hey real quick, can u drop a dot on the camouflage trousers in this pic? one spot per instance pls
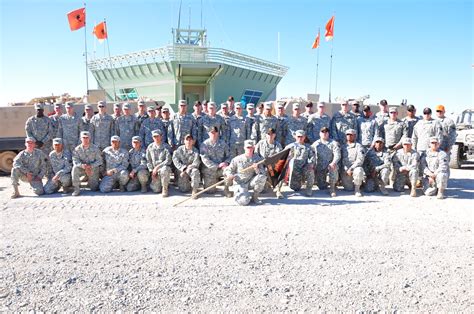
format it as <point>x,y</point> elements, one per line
<point>298,176</point>
<point>52,186</point>
<point>325,176</point>
<point>371,184</point>
<point>36,185</point>
<point>405,178</point>
<point>161,180</point>
<point>140,178</point>
<point>190,180</point>
<point>47,147</point>
<point>108,182</point>
<point>69,146</point>
<point>210,177</point>
<point>92,180</point>
<point>241,191</point>
<point>236,149</point>
<point>357,178</point>
<point>441,182</point>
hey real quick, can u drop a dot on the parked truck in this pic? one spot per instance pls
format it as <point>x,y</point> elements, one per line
<point>463,150</point>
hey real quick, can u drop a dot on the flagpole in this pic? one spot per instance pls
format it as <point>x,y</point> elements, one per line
<point>330,71</point>
<point>110,61</point>
<point>317,66</point>
<point>85,48</point>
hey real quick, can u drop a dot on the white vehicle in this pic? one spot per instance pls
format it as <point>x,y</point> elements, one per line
<point>463,149</point>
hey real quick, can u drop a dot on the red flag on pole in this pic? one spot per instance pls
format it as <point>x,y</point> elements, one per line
<point>330,29</point>
<point>77,19</point>
<point>100,31</point>
<point>316,41</point>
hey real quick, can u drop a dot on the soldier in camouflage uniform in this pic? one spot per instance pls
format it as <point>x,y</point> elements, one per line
<point>86,160</point>
<point>187,161</point>
<point>410,120</point>
<point>308,110</point>
<point>448,130</point>
<point>435,165</point>
<point>316,122</point>
<point>61,166</point>
<point>116,165</point>
<point>328,155</point>
<point>250,179</point>
<point>197,116</point>
<point>182,124</point>
<point>377,166</point>
<point>212,120</point>
<point>382,116</point>
<point>282,122</point>
<point>301,165</point>
<point>237,132</point>
<point>69,128</point>
<point>141,114</point>
<point>117,112</point>
<point>366,128</point>
<point>150,124</point>
<point>268,147</point>
<point>215,157</point>
<point>39,127</point>
<point>342,121</point>
<point>168,134</point>
<point>139,174</point>
<point>265,122</point>
<point>126,126</point>
<point>295,122</point>
<point>250,119</point>
<point>392,131</point>
<point>406,163</point>
<point>85,124</point>
<point>29,166</point>
<point>158,161</point>
<point>356,108</point>
<point>224,113</point>
<point>102,127</point>
<point>58,111</point>
<point>353,156</point>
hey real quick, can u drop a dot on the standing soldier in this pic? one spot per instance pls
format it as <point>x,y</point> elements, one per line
<point>58,111</point>
<point>117,112</point>
<point>126,126</point>
<point>342,121</point>
<point>139,174</point>
<point>382,116</point>
<point>168,135</point>
<point>250,119</point>
<point>308,110</point>
<point>282,122</point>
<point>301,166</point>
<point>259,109</point>
<point>230,105</point>
<point>448,130</point>
<point>158,161</point>
<point>148,125</point>
<point>212,120</point>
<point>39,128</point>
<point>197,116</point>
<point>353,155</point>
<point>295,122</point>
<point>102,127</point>
<point>328,155</point>
<point>237,132</point>
<point>435,165</point>
<point>250,179</point>
<point>29,166</point>
<point>316,122</point>
<point>116,165</point>
<point>85,124</point>
<point>86,160</point>
<point>215,158</point>
<point>366,128</point>
<point>355,108</point>
<point>205,110</point>
<point>61,165</point>
<point>265,122</point>
<point>393,130</point>
<point>141,114</point>
<point>405,164</point>
<point>182,124</point>
<point>186,160</point>
<point>410,120</point>
<point>224,113</point>
<point>377,166</point>
<point>69,128</point>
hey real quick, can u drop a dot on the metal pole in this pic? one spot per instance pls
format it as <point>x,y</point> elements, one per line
<point>330,72</point>
<point>278,47</point>
<point>110,61</point>
<point>317,66</point>
<point>85,48</point>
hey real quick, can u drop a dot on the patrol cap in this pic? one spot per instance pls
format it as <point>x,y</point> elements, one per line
<point>183,102</point>
<point>86,107</point>
<point>116,106</point>
<point>379,139</point>
<point>296,105</point>
<point>321,104</point>
<point>238,105</point>
<point>271,131</point>
<point>350,131</point>
<point>250,105</point>
<point>136,139</point>
<point>39,106</point>
<point>427,110</point>
<point>127,106</point>
<point>189,135</point>
<point>268,105</point>
<point>101,104</point>
<point>57,140</point>
<point>165,109</point>
<point>141,103</point>
<point>434,139</point>
<point>280,106</point>
<point>85,134</point>
<point>150,108</point>
<point>249,143</point>
<point>392,109</point>
<point>115,138</point>
<point>300,133</point>
<point>407,140</point>
<point>213,129</point>
<point>439,108</point>
<point>69,104</point>
<point>224,105</point>
<point>156,132</point>
<point>324,129</point>
<point>57,105</point>
<point>30,139</point>
<point>211,104</point>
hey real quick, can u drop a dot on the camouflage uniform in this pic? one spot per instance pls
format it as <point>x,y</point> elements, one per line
<point>69,130</point>
<point>168,135</point>
<point>237,135</point>
<point>102,129</point>
<point>247,180</point>
<point>141,118</point>
<point>315,123</point>
<point>85,124</point>
<point>410,124</point>
<point>89,156</point>
<point>378,163</point>
<point>150,125</point>
<point>448,134</point>
<point>34,163</point>
<point>159,155</point>
<point>118,160</point>
<point>411,162</point>
<point>435,163</point>
<point>249,122</point>
<point>366,128</point>
<point>208,122</point>
<point>264,149</point>
<point>326,153</point>
<point>380,118</point>
<point>261,126</point>
<point>41,130</point>
<point>198,123</point>
<point>61,164</point>
<point>340,123</point>
<point>126,126</point>
<point>189,161</point>
<point>182,125</point>
<point>422,132</point>
<point>54,125</point>
<point>294,124</point>
<point>138,164</point>
<point>392,132</point>
<point>353,156</point>
<point>301,166</point>
<point>211,156</point>
<point>283,123</point>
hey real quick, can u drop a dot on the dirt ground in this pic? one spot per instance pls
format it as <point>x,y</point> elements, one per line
<point>128,251</point>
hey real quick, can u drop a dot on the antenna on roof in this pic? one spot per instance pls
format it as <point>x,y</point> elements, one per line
<point>179,14</point>
<point>189,25</point>
<point>201,14</point>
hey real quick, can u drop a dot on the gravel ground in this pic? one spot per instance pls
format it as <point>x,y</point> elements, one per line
<point>127,251</point>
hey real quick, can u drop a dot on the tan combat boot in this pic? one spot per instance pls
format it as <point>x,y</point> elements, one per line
<point>255,198</point>
<point>77,191</point>
<point>193,194</point>
<point>122,188</point>
<point>144,188</point>
<point>413,190</point>
<point>440,195</point>
<point>332,190</point>
<point>309,192</point>
<point>279,195</point>
<point>15,193</point>
<point>357,191</point>
<point>382,188</point>
<point>165,191</point>
<point>227,193</point>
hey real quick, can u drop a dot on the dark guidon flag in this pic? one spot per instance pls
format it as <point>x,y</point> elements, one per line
<point>276,166</point>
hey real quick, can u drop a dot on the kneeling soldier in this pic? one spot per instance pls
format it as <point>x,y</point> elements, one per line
<point>29,166</point>
<point>86,160</point>
<point>186,160</point>
<point>139,174</point>
<point>328,155</point>
<point>61,166</point>
<point>378,163</point>
<point>158,160</point>
<point>405,164</point>
<point>116,164</point>
<point>251,179</point>
<point>435,165</point>
<point>353,155</point>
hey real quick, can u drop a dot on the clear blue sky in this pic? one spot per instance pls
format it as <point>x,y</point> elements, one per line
<point>393,49</point>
